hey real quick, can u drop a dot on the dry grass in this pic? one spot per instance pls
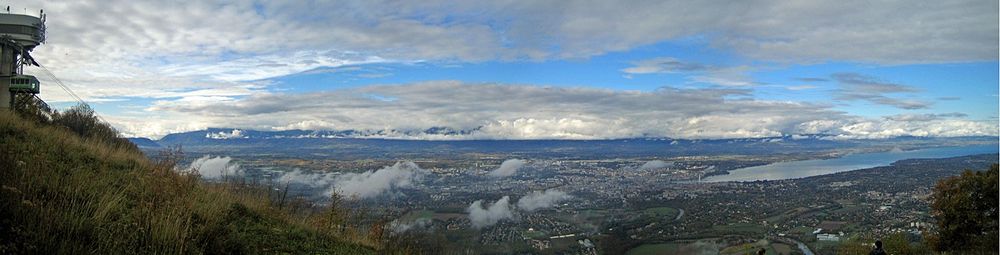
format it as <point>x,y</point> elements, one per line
<point>65,194</point>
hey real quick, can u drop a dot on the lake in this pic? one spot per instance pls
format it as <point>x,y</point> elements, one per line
<point>806,168</point>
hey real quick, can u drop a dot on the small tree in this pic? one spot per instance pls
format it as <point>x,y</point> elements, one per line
<point>335,215</point>
<point>965,208</point>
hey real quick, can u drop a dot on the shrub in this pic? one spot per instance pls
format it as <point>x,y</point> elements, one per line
<point>965,208</point>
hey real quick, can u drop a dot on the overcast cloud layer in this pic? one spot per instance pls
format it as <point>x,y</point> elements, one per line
<point>153,48</point>
<point>207,63</point>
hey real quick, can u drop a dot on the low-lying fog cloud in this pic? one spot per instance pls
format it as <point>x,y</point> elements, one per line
<point>508,167</point>
<point>503,209</point>
<point>538,200</point>
<point>373,183</point>
<point>214,167</point>
<point>487,216</point>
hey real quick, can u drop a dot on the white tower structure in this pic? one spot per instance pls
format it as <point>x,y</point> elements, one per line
<point>19,34</point>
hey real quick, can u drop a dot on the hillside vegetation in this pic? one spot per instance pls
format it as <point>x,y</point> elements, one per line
<point>71,185</point>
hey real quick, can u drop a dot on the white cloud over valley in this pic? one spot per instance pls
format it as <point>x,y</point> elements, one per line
<point>496,111</point>
<point>507,168</point>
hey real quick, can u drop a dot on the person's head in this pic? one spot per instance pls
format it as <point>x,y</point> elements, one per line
<point>761,251</point>
<point>878,244</point>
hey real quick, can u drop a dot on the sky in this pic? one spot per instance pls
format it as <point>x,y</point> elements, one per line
<point>530,69</point>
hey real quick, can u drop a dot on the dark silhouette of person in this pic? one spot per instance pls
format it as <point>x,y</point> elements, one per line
<point>761,251</point>
<point>878,249</point>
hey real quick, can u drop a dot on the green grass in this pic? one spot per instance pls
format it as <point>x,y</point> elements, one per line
<point>654,249</point>
<point>416,215</point>
<point>63,194</point>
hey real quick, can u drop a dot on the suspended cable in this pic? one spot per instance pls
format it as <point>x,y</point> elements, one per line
<point>68,90</point>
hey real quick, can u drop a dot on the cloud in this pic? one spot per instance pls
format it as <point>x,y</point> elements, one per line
<point>310,179</point>
<point>811,79</point>
<point>867,84</point>
<point>539,200</point>
<point>949,98</point>
<point>363,185</point>
<point>236,133</point>
<point>665,65</point>
<point>507,168</point>
<point>146,51</point>
<point>497,30</point>
<point>223,52</point>
<point>215,167</point>
<point>481,216</point>
<point>496,111</point>
<point>926,117</point>
<point>800,87</point>
<point>856,86</point>
<point>862,128</point>
<point>655,164</point>
<point>373,183</point>
<point>733,76</point>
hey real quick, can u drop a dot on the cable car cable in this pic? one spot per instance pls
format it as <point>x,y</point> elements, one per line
<point>69,91</point>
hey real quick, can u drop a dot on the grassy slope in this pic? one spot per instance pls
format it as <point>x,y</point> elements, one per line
<point>64,194</point>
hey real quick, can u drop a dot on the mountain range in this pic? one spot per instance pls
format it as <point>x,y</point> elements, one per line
<point>379,144</point>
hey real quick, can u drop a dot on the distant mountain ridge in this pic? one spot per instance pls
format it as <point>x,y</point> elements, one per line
<point>448,142</point>
<point>434,133</point>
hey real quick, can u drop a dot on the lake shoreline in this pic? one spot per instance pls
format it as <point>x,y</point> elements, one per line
<point>814,167</point>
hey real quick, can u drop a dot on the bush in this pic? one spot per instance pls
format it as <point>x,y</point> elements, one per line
<point>965,208</point>
<point>83,121</point>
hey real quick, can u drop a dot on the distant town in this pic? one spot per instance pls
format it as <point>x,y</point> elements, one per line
<point>632,205</point>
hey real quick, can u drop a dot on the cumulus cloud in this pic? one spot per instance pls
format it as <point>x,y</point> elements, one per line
<point>539,200</point>
<point>507,168</point>
<point>373,183</point>
<point>655,164</point>
<point>210,167</point>
<point>481,216</point>
<point>236,133</point>
<point>495,111</point>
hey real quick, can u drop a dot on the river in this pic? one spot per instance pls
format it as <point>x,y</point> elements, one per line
<point>806,168</point>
